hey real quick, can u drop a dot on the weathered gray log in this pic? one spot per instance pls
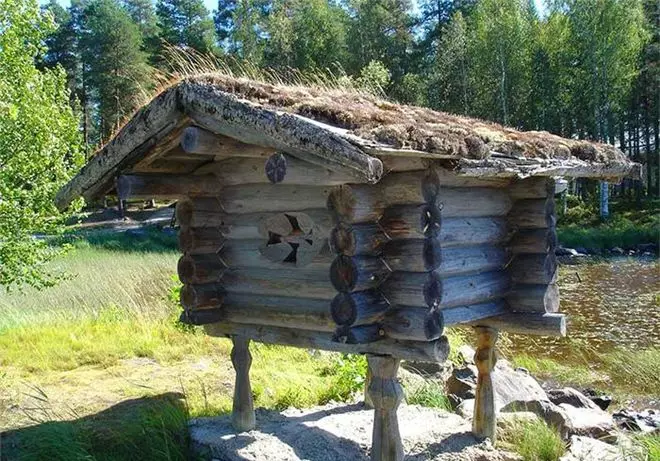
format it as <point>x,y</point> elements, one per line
<point>534,298</point>
<point>417,222</point>
<point>201,296</point>
<point>150,131</point>
<point>303,283</point>
<point>386,394</point>
<point>484,422</point>
<point>465,314</point>
<point>277,311</point>
<point>225,114</point>
<point>255,253</point>
<point>201,317</point>
<point>428,255</point>
<point>144,186</point>
<point>533,214</point>
<point>529,188</point>
<point>413,323</point>
<point>242,414</point>
<point>258,198</point>
<point>357,273</point>
<point>534,268</point>
<point>427,290</point>
<point>430,351</point>
<point>351,309</point>
<point>534,241</point>
<point>201,269</point>
<point>360,203</point>
<point>362,334</point>
<point>208,213</point>
<point>358,239</point>
<point>197,240</point>
<point>235,171</point>
<point>528,324</point>
<point>195,140</point>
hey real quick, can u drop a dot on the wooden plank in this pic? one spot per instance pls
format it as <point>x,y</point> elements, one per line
<point>428,255</point>
<point>196,140</point>
<point>419,222</point>
<point>234,171</point>
<point>465,314</point>
<point>534,298</point>
<point>303,283</point>
<point>533,214</point>
<point>258,198</point>
<point>223,113</point>
<point>430,351</point>
<point>534,268</point>
<point>163,186</point>
<point>534,241</point>
<point>426,290</point>
<point>528,324</point>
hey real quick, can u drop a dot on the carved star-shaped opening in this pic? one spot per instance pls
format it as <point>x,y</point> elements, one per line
<point>291,239</point>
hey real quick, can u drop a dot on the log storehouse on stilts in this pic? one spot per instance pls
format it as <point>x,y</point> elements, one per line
<point>333,220</point>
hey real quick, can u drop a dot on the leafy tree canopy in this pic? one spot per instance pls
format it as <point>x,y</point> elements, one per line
<point>40,144</point>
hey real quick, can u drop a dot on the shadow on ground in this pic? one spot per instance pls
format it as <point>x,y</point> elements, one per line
<point>148,428</point>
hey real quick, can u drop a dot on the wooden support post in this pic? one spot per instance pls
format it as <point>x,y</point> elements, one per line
<point>483,422</point>
<point>242,415</point>
<point>386,395</point>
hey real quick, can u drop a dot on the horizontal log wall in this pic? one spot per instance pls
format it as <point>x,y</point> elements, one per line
<point>533,269</point>
<point>396,263</point>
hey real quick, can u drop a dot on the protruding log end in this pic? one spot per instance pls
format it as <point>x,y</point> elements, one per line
<point>433,291</point>
<point>349,309</point>
<point>357,273</point>
<point>201,296</point>
<point>342,239</point>
<point>433,324</point>
<point>342,203</point>
<point>276,168</point>
<point>203,268</point>
<point>431,220</point>
<point>184,212</point>
<point>202,317</point>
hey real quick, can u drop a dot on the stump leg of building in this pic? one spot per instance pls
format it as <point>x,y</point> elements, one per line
<point>483,423</point>
<point>242,416</point>
<point>367,382</point>
<point>386,395</point>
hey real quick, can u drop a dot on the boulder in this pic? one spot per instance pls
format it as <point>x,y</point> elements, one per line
<point>466,354</point>
<point>511,385</point>
<point>463,382</point>
<point>572,397</point>
<point>552,414</point>
<point>466,409</point>
<point>617,251</point>
<point>590,422</point>
<point>587,449</point>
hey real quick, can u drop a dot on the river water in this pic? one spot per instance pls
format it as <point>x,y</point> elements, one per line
<point>615,303</point>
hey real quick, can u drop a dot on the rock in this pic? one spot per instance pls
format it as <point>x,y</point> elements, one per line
<point>647,248</point>
<point>511,385</point>
<point>587,449</point>
<point>581,251</point>
<point>339,432</point>
<point>463,382</point>
<point>590,422</point>
<point>466,354</point>
<point>571,397</point>
<point>617,251</point>
<point>602,401</point>
<point>643,421</point>
<point>466,409</point>
<point>561,251</point>
<point>552,414</point>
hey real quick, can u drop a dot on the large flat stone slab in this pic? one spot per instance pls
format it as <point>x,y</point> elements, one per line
<point>339,432</point>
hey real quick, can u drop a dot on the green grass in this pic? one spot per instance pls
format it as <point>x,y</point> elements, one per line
<point>533,440</point>
<point>430,394</point>
<point>622,373</point>
<point>647,447</point>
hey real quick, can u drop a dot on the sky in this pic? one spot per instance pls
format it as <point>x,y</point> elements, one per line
<point>213,4</point>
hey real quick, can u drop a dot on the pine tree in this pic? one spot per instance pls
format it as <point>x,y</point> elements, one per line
<point>381,31</point>
<point>143,14</point>
<point>186,23</point>
<point>117,69</point>
<point>223,19</point>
